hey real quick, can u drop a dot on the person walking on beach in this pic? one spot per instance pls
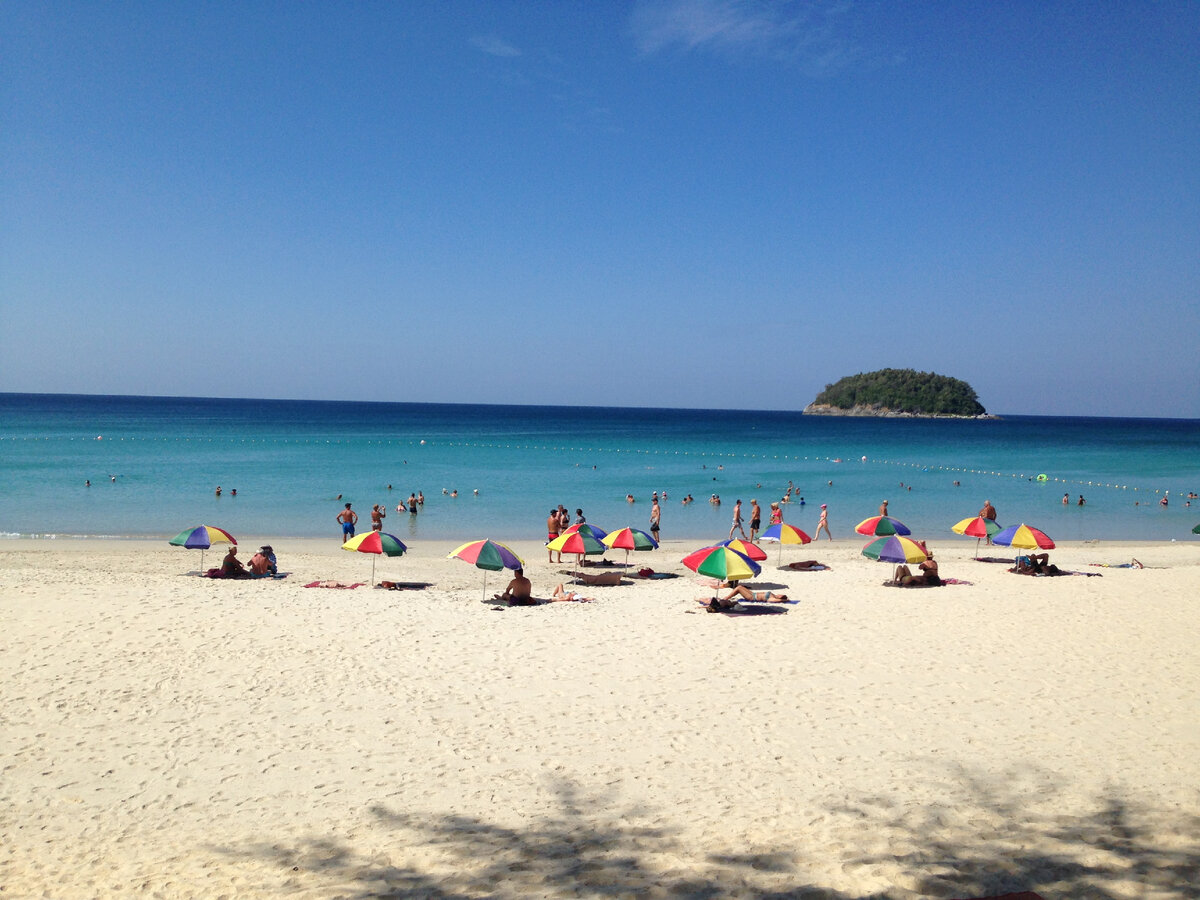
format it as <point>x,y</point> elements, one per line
<point>988,512</point>
<point>347,518</point>
<point>655,518</point>
<point>737,521</point>
<point>377,515</point>
<point>823,523</point>
<point>755,519</point>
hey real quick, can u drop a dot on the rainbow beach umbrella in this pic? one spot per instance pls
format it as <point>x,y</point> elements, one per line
<point>588,529</point>
<point>782,533</point>
<point>881,526</point>
<point>580,542</point>
<point>1023,537</point>
<point>629,539</point>
<point>722,563</point>
<point>377,542</point>
<point>489,556</point>
<point>977,527</point>
<point>747,549</point>
<point>895,549</point>
<point>201,538</point>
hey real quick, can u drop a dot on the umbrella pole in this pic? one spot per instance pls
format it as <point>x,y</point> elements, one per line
<point>485,585</point>
<point>372,570</point>
<point>201,560</point>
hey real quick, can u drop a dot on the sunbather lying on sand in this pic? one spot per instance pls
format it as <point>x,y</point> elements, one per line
<point>1129,565</point>
<point>1036,564</point>
<point>806,565</point>
<point>565,596</point>
<point>730,600</point>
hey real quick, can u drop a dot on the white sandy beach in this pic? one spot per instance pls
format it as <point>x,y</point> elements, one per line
<point>173,736</point>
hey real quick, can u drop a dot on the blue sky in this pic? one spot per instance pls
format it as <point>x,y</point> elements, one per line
<point>694,203</point>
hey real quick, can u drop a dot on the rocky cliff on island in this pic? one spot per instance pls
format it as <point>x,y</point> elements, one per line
<point>899,393</point>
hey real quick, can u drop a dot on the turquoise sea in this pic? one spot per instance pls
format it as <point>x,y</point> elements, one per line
<point>154,464</point>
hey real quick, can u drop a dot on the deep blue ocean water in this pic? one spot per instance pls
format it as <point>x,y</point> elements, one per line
<point>289,460</point>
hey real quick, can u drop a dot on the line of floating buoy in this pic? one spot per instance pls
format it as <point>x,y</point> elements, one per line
<point>1041,478</point>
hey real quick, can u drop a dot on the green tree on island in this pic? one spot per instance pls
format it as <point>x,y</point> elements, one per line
<point>903,390</point>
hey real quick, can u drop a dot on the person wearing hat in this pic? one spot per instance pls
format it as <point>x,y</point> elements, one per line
<point>823,523</point>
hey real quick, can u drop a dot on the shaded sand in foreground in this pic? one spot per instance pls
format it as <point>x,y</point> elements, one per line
<point>175,736</point>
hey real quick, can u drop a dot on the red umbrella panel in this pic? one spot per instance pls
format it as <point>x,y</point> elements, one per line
<point>753,551</point>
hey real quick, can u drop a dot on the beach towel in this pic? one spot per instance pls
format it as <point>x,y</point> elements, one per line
<point>945,581</point>
<point>403,585</point>
<point>650,573</point>
<point>1057,574</point>
<point>335,584</point>
<point>750,609</point>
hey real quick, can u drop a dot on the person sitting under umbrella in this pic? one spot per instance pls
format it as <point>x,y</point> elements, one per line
<point>231,566</point>
<point>519,591</point>
<point>930,578</point>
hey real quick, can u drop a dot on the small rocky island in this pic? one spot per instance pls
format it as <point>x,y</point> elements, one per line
<point>898,393</point>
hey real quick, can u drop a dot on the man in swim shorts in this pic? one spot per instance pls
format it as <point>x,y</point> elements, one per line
<point>519,591</point>
<point>553,526</point>
<point>655,518</point>
<point>347,517</point>
<point>755,519</point>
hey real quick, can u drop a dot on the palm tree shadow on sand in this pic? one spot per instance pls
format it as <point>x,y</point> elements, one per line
<point>985,843</point>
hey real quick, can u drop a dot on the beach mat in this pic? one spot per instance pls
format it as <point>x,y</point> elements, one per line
<point>335,584</point>
<point>652,575</point>
<point>403,585</point>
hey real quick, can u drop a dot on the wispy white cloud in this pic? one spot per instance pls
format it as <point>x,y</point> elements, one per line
<point>812,33</point>
<point>494,46</point>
